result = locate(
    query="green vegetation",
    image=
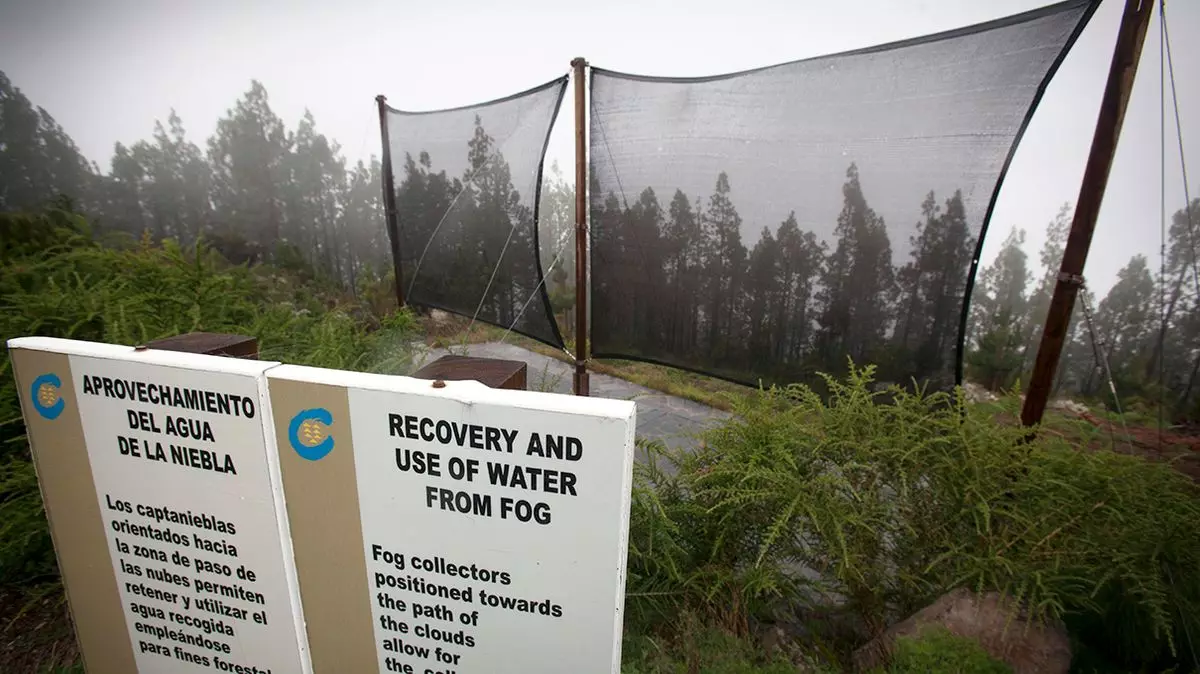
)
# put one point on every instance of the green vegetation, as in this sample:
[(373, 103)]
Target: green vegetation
[(55, 280), (850, 513), (937, 651), (831, 515), (698, 648), (839, 514)]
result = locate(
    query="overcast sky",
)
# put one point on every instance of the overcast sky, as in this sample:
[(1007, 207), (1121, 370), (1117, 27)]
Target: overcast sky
[(107, 69)]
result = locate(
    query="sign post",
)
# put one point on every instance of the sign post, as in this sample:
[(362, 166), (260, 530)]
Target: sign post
[(160, 480), (453, 528)]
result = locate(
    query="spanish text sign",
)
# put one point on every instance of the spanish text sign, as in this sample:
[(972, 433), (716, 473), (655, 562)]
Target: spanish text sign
[(156, 471), (455, 529)]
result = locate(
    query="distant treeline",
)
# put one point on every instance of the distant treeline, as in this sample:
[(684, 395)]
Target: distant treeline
[(679, 285), (673, 283), (258, 190)]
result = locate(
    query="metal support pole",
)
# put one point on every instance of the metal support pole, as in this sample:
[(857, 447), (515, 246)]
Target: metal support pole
[(389, 200), (581, 233), (1126, 53)]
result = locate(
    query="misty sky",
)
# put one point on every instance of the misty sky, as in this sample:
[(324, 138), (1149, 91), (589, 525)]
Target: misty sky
[(107, 69)]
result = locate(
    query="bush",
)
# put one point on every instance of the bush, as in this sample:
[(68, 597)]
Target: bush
[(877, 502), (55, 280), (937, 651), (699, 649)]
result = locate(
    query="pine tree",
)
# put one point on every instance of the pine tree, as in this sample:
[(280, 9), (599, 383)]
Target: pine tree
[(248, 154), (764, 299), (1000, 307), (123, 192), (316, 176), (859, 283), (682, 241), (38, 160), (368, 247), (801, 262), (724, 259), (1050, 258), (643, 251), (556, 238), (1125, 319), (175, 183), (1182, 263)]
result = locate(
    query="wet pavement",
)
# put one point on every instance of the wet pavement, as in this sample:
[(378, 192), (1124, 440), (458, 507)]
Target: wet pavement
[(664, 417)]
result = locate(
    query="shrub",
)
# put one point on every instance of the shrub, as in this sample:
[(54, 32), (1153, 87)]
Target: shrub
[(937, 651), (55, 280), (698, 648), (877, 502)]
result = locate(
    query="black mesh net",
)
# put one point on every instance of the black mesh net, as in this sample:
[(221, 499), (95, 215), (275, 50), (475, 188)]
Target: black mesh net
[(467, 183), (767, 225)]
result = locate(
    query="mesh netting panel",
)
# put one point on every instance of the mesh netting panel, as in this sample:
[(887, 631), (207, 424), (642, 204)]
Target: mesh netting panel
[(467, 185), (770, 224)]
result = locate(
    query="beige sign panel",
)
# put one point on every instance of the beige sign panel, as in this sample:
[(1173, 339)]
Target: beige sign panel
[(161, 484), (49, 404)]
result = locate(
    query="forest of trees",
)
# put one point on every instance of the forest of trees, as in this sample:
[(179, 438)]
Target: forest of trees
[(678, 285), (468, 243), (1147, 323), (257, 190), (672, 280)]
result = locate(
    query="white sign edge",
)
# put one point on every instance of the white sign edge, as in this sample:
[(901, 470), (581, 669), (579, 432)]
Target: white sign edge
[(622, 560), (192, 361), (465, 391)]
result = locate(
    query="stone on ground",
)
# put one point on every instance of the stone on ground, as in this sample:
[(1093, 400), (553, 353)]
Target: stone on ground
[(988, 619)]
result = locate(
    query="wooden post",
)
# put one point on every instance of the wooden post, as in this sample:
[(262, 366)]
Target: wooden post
[(1126, 53), (389, 199), (581, 232)]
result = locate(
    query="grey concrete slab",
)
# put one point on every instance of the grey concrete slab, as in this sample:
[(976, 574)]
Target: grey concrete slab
[(673, 420)]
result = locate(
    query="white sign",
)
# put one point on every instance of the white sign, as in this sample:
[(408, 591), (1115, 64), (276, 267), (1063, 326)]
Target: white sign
[(178, 450), (493, 522)]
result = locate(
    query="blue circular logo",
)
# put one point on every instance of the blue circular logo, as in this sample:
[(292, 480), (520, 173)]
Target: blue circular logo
[(47, 399), (309, 433)]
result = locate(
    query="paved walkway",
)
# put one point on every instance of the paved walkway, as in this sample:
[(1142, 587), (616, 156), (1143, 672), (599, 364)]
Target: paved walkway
[(673, 420)]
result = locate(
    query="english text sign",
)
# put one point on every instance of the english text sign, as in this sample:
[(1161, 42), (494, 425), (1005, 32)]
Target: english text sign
[(456, 529)]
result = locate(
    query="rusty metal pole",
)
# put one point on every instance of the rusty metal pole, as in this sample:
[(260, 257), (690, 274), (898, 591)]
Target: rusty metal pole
[(1126, 53), (581, 233), (389, 200)]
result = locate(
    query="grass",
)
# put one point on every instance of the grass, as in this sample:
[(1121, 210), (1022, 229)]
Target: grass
[(937, 651), (840, 515), (874, 503), (57, 280)]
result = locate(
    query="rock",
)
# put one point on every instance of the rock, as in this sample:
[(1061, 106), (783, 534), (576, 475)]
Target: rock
[(989, 620), (780, 642), (978, 394), (1069, 406)]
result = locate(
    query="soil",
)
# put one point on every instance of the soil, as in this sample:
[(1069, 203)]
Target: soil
[(35, 633), (1178, 445)]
